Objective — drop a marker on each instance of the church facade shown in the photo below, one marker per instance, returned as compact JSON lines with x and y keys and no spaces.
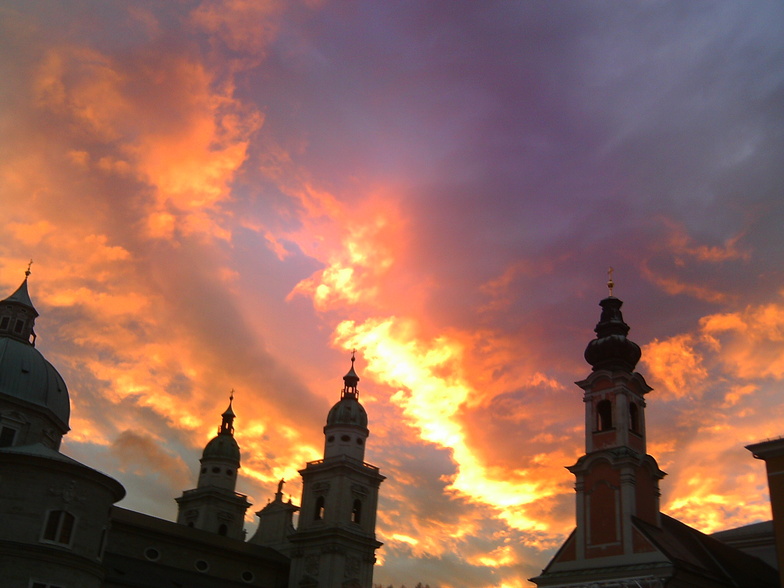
{"x":62,"y":529}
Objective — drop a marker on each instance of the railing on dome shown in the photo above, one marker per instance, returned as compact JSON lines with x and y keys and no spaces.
{"x":343,"y":458}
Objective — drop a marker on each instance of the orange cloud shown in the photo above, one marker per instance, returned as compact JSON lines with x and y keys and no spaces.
{"x":432,"y":389}
{"x":681,"y":244}
{"x":681,"y":250}
{"x":85,"y":86}
{"x":358,"y":246}
{"x":244,"y":25}
{"x":751,"y":342}
{"x":677,"y":364}
{"x":673,"y":286}
{"x":180,"y":130}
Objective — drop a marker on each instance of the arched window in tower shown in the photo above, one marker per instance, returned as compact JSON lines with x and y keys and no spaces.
{"x":634,"y":418}
{"x":356,"y":511}
{"x":604,"y":416}
{"x":319,"y":514}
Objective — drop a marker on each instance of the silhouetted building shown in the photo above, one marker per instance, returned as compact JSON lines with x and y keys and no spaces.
{"x":772,"y":453}
{"x":60,"y":528}
{"x":621,"y":538}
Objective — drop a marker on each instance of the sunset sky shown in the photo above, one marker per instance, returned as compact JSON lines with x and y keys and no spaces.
{"x":234,"y":194}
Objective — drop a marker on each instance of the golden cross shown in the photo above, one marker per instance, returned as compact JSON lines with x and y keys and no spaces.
{"x":610,"y":283}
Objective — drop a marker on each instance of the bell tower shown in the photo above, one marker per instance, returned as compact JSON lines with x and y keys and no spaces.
{"x":621,"y":538}
{"x":214,"y":505}
{"x":335,"y":542}
{"x":616,"y":478}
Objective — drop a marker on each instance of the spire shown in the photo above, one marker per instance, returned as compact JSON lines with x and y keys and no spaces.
{"x":21,"y":296}
{"x":227,"y":425}
{"x":350,"y":380}
{"x":611,"y":349}
{"x":348,"y":411}
{"x":17,"y":314}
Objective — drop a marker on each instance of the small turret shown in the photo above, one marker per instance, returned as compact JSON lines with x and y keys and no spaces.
{"x":214,"y":505}
{"x":17,"y":314}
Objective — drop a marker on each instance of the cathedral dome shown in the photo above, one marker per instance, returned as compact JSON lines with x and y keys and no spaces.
{"x":26,"y":375}
{"x":222,"y":447}
{"x":348,"y":411}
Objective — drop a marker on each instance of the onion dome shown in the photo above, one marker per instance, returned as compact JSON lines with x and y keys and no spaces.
{"x":611,"y":350}
{"x":24,"y":372}
{"x":224,"y":445}
{"x":348,"y":410}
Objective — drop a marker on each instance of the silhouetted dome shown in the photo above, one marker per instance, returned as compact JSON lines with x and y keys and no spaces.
{"x":611,"y":350}
{"x":222,"y":447}
{"x":348,"y":411}
{"x":25,"y":374}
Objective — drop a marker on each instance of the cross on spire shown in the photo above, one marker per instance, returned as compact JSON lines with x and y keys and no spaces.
{"x":610,"y":283}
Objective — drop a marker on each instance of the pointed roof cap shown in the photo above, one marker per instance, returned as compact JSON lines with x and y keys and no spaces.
{"x":351,"y":379}
{"x":229,"y":412}
{"x":228,"y":416}
{"x":21,"y":295}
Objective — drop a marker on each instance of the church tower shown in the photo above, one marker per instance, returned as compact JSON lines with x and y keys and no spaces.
{"x":621,"y":538}
{"x":335,"y":542}
{"x":214,"y":505}
{"x":617,"y":482}
{"x":616,"y":478}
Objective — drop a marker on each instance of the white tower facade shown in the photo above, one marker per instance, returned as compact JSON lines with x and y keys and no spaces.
{"x":335,"y":542}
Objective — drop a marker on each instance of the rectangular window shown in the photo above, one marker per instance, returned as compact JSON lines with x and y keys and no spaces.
{"x":4,"y":322}
{"x":7,"y":436}
{"x":18,"y":326}
{"x":59,"y":527}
